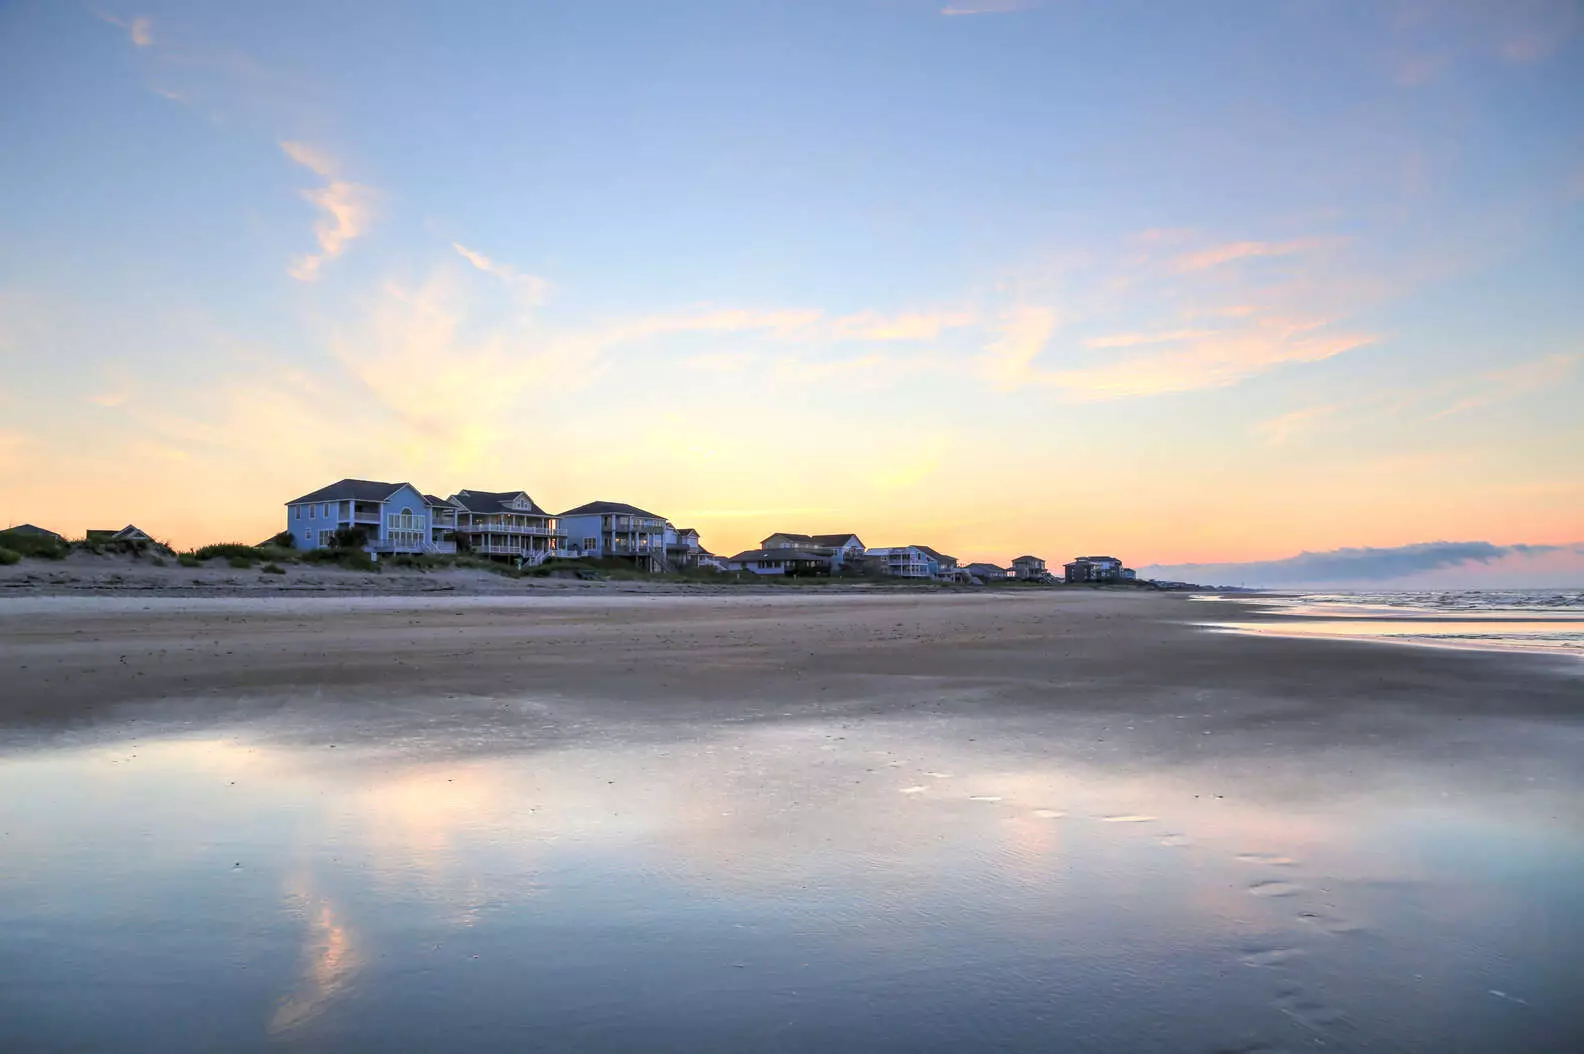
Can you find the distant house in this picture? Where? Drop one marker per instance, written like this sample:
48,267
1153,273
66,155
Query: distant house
1028,569
33,532
616,529
781,560
504,523
902,561
682,547
394,517
129,533
987,572
842,548
1097,569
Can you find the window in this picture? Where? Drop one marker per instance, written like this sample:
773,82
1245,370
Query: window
297,511
308,536
325,510
311,510
591,543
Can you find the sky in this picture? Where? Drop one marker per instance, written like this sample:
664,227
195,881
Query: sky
1188,283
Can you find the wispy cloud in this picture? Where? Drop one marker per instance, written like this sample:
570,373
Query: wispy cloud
1415,70
1129,340
1215,362
1278,430
1501,385
985,7
871,325
1008,362
140,30
348,209
531,289
1217,255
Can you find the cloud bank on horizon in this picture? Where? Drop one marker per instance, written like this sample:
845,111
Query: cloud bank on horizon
1425,565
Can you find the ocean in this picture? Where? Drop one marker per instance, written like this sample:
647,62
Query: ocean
1535,620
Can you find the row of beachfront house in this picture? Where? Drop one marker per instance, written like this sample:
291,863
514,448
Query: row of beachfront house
393,518
788,553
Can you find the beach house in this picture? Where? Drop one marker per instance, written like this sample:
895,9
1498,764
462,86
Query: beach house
1029,569
942,561
1098,569
781,560
615,529
505,523
902,561
986,572
842,548
391,517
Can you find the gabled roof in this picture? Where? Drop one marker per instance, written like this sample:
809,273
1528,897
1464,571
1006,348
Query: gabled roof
30,529
485,501
601,507
1027,560
432,501
684,530
832,541
778,554
985,566
932,554
352,490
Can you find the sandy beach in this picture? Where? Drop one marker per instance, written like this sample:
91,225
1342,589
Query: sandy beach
883,821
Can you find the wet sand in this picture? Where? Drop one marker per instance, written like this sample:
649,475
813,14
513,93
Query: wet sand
727,821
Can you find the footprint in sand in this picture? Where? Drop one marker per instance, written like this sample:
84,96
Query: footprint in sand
1269,957
1275,888
1333,924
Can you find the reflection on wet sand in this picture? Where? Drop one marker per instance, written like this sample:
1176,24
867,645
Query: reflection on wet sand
786,850
330,962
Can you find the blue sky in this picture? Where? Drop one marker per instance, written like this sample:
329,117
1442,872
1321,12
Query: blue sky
1196,282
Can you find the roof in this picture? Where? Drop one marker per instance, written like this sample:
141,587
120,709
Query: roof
492,501
984,566
829,541
684,530
1096,559
353,490
779,554
601,507
430,499
932,554
28,528
1027,560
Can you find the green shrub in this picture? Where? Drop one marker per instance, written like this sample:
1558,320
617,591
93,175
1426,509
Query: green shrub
272,569
189,560
229,549
9,556
283,540
241,563
157,561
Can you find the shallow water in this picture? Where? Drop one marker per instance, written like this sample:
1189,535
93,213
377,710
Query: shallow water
941,884
1550,621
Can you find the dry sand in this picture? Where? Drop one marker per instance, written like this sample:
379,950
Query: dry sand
548,664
